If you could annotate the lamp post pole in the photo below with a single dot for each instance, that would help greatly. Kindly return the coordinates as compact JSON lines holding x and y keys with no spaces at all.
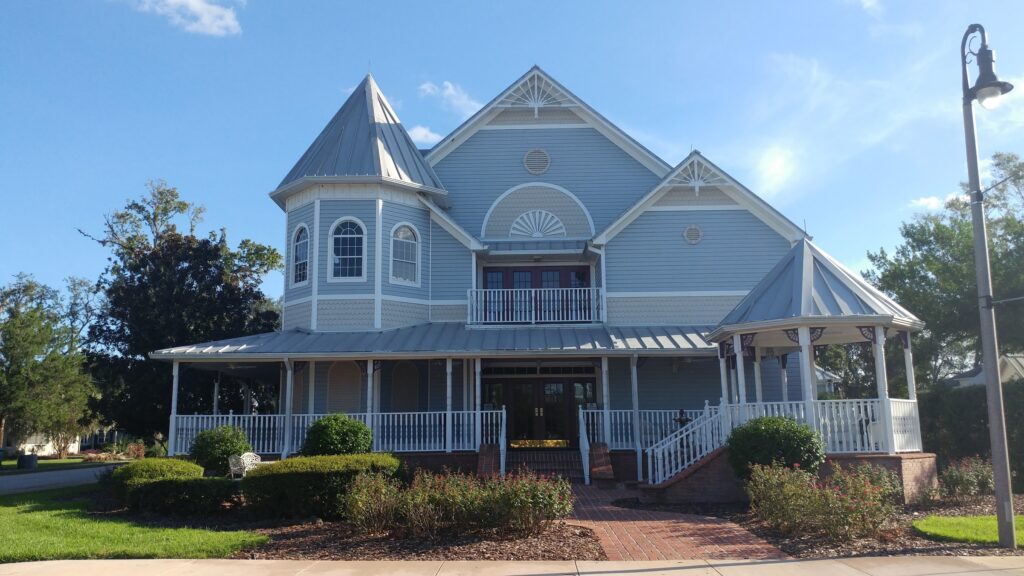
{"x":989,"y":345}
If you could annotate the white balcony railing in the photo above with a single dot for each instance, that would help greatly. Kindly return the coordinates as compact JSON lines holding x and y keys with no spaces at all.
{"x":534,"y":306}
{"x":654,"y":425}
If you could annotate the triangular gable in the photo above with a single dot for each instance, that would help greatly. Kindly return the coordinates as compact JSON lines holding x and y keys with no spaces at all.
{"x":694,"y":172}
{"x":363,"y":142}
{"x":536,"y":89}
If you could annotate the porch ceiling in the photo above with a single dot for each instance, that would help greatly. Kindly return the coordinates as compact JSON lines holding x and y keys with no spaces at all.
{"x":453,"y":339}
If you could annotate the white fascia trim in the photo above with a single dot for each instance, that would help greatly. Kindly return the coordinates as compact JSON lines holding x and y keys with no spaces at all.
{"x":330,"y":250}
{"x":297,"y":301}
{"x":545,"y":239}
{"x":527,"y":252}
{"x":406,"y":300}
{"x":487,"y":217}
{"x":448,"y":302}
{"x":711,"y":208}
{"x":366,"y":296}
{"x":445,"y":221}
{"x":740,"y":194}
{"x":534,"y":126}
{"x":678,"y":293}
{"x":281,"y":194}
{"x":594,"y":120}
{"x":419,"y":256}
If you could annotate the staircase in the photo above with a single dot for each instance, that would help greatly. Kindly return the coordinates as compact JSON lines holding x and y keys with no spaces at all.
{"x":564,"y":463}
{"x":686,"y":447}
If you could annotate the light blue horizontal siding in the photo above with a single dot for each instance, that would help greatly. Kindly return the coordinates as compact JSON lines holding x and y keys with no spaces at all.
{"x":420,"y":218}
{"x":302,"y":215}
{"x":606,"y":179}
{"x":650,"y":254}
{"x":771,"y":379}
{"x":330,"y":212}
{"x":665,"y":383}
{"x":451,"y":266}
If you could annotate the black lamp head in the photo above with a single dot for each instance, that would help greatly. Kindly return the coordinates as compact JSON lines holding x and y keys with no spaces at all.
{"x":988,"y":88}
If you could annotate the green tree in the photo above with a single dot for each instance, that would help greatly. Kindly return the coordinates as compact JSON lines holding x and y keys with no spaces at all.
{"x":43,"y":388}
{"x":165,"y":288}
{"x":931,"y":273}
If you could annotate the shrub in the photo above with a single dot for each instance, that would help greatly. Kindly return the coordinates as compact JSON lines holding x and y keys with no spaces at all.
{"x":182,"y":496}
{"x":373,"y":503}
{"x":967,"y":478}
{"x":773,"y":439}
{"x":156,"y":450}
{"x":310,"y":486}
{"x":135,"y":450}
{"x":528,"y":503}
{"x":211,"y":448}
{"x":337,"y":434}
{"x":849,"y":504}
{"x":151,"y":469}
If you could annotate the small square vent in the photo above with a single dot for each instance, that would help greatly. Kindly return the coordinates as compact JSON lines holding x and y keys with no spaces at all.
{"x":536,"y":161}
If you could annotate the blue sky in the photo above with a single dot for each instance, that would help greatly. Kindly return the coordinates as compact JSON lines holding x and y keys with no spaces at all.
{"x":844,"y":114}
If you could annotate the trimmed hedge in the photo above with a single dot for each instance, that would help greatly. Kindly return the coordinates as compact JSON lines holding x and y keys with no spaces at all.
{"x":182,"y":496}
{"x":310,"y":486}
{"x":337,"y":434}
{"x":211,"y":448}
{"x":775,"y":439}
{"x":151,"y":469}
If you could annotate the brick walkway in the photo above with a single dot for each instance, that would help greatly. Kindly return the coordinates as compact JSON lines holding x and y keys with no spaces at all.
{"x":628,"y":534}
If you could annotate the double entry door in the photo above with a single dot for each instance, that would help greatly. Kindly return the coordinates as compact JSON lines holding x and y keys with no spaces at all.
{"x":542,"y":411}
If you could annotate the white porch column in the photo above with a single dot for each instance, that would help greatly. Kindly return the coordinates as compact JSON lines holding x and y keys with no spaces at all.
{"x":784,"y":376}
{"x":723,"y":369}
{"x":758,"y":392}
{"x":741,"y":370}
{"x":311,"y":387}
{"x":369,"y":402}
{"x":908,"y":359}
{"x":807,"y":373}
{"x":289,"y":385}
{"x":882,"y":379}
{"x":636,"y":417}
{"x":172,"y":430}
{"x":448,"y":405}
{"x":478,"y":398}
{"x":216,"y":393}
{"x":734,"y":399}
{"x":606,"y":403}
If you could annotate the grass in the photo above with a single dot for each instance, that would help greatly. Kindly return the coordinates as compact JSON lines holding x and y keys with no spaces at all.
{"x":973,"y":529}
{"x":10,"y":465}
{"x":57,"y":524}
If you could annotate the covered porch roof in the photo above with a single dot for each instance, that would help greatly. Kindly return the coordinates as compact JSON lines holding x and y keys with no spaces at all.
{"x":809,"y":288}
{"x":441,"y":339}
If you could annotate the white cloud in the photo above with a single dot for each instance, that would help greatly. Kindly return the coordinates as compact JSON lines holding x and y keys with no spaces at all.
{"x":927,"y":203}
{"x":423,"y":135}
{"x":872,"y":7}
{"x":452,"y":96}
{"x":207,"y":17}
{"x":775,"y":168}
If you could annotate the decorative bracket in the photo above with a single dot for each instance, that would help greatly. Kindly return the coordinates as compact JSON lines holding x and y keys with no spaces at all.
{"x":868,"y":332}
{"x":793,"y":334}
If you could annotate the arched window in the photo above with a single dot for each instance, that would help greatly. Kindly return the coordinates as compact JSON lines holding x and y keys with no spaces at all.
{"x":405,"y":255}
{"x":347,"y":243}
{"x":300,"y":256}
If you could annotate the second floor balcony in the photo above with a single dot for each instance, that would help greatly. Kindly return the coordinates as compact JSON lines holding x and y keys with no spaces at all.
{"x":534,"y":306}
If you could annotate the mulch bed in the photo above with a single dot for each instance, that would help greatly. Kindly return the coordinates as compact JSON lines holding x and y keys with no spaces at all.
{"x":902,"y":540}
{"x":337,"y":541}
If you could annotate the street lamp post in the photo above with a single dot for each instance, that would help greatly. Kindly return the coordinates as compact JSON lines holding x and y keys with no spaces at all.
{"x":987,"y":90}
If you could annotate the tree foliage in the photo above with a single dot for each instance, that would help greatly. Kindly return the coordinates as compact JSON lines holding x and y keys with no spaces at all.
{"x":932,"y":273}
{"x":164,"y":288}
{"x":43,"y":388}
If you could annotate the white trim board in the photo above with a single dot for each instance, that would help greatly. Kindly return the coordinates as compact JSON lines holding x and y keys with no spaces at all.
{"x":677,"y":294}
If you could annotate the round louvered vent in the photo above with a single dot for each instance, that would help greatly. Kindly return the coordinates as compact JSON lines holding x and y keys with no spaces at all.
{"x":693,"y":234}
{"x":536,"y":161}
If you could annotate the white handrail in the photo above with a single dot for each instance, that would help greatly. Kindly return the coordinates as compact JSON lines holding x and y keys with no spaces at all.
{"x":654,"y":425}
{"x":584,"y":447}
{"x":502,"y":440}
{"x":686,"y":446}
{"x":533,"y":305}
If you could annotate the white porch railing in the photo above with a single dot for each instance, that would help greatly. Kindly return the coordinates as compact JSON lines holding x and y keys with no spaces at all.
{"x":654,"y":426}
{"x":851,"y":425}
{"x":534,"y":306}
{"x":686,"y":446}
{"x":392,"y":431}
{"x":584,"y":447}
{"x":906,"y":424}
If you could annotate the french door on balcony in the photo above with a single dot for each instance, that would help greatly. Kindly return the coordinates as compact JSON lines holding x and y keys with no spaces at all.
{"x":539,"y":294}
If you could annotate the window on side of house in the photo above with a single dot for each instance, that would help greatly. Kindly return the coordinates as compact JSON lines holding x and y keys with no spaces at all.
{"x":300,"y":256}
{"x":405,"y":255}
{"x":348,"y":249}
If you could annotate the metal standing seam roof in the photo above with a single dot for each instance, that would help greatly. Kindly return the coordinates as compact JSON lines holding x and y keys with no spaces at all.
{"x":365,"y":138}
{"x":806,"y":283}
{"x":451,"y":338}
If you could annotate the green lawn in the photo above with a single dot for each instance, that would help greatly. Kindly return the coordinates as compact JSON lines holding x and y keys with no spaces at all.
{"x":975,"y":529}
{"x":55,"y":524}
{"x":10,"y":465}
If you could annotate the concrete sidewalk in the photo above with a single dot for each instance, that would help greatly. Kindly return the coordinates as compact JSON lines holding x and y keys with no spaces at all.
{"x":898,"y":566}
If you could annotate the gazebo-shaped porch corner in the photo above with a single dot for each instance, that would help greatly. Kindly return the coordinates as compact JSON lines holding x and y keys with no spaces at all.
{"x":808,"y":301}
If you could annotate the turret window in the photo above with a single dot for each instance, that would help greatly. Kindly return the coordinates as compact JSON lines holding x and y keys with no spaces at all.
{"x":348,"y":245}
{"x":405,"y":255}
{"x":300,"y":256}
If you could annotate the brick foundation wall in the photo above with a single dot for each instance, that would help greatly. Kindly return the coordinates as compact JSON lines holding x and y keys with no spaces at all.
{"x":917,"y":471}
{"x":710,"y":480}
{"x":623,"y":465}
{"x":465,"y":462}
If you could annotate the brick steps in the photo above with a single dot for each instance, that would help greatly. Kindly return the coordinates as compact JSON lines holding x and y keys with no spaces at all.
{"x":564,"y":463}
